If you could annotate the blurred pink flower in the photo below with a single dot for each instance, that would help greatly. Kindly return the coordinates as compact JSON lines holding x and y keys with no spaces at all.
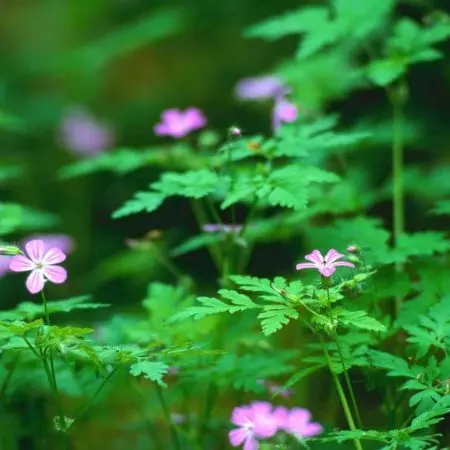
{"x":283,"y":112}
{"x":41,"y":263}
{"x":84,"y":135}
{"x":254,"y":421}
{"x":260,"y":88}
{"x":325,"y":265}
{"x":177,"y":123}
{"x":217,"y":227}
{"x":297,"y":422}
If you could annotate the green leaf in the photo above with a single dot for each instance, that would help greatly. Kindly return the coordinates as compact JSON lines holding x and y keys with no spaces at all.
{"x":192,"y":184}
{"x":384,"y":72}
{"x":197,"y":242}
{"x":303,"y":373}
{"x":15,"y":217}
{"x":211,"y":305}
{"x":122,"y":41}
{"x":151,"y":370}
{"x":29,"y":311}
{"x":396,"y":367}
{"x":120,"y":161}
{"x":141,"y":202}
{"x":359,"y":319}
{"x":275,"y":316}
{"x":442,"y":208}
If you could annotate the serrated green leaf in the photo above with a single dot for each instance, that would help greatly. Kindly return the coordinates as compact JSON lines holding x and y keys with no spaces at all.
{"x":274,"y":317}
{"x":151,"y":370}
{"x":141,"y":202}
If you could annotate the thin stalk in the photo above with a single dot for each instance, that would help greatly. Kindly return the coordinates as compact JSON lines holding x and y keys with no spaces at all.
{"x":211,"y":397}
{"x":344,"y":368}
{"x":397,"y":99}
{"x":9,"y":376}
{"x":166,"y":413}
{"x":341,"y":394}
{"x":201,"y":219}
{"x":91,"y":401}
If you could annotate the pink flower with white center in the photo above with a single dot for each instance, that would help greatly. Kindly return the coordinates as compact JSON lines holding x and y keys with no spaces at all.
{"x":254,"y":421}
{"x":327,"y":264}
{"x":177,"y":123}
{"x":42,"y":265}
{"x":297,"y":422}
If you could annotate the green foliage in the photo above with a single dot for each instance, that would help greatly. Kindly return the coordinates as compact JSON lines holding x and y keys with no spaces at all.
{"x":151,"y":370}
{"x":320,"y":28}
{"x":15,"y":217}
{"x":29,"y":311}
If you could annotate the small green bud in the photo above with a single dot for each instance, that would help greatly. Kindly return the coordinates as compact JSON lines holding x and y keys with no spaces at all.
{"x":10,"y":250}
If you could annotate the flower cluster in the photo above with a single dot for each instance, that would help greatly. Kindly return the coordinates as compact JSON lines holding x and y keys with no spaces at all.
{"x":260,"y":420}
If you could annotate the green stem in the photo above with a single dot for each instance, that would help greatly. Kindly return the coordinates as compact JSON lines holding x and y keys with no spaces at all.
{"x":341,"y":394}
{"x":91,"y":401}
{"x":201,"y":219}
{"x":166,"y":413}
{"x":211,"y":397}
{"x":344,"y":368}
{"x":9,"y":376}
{"x":397,"y":99}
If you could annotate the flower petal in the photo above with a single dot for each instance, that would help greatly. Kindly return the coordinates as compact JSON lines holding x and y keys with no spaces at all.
{"x":194,"y":118}
{"x":327,"y":271}
{"x":53,"y":256}
{"x":250,"y":444}
{"x":21,"y":263}
{"x":35,"y":250}
{"x":315,"y":256}
{"x":332,"y":255}
{"x":35,"y":281}
{"x":301,"y":266}
{"x":238,"y":436}
{"x":56,"y":274}
{"x":343,"y":263}
{"x":312,"y":429}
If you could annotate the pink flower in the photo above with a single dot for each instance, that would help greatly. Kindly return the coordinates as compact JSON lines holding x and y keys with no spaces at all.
{"x":41,"y":264}
{"x":177,"y":123}
{"x":259,"y":88}
{"x":254,"y":421}
{"x":325,"y":265}
{"x":296,"y":422}
{"x":63,"y":241}
{"x":283,"y":112}
{"x":83,"y":134}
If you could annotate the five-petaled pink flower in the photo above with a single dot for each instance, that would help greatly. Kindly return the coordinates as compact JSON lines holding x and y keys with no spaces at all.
{"x":327,"y":264}
{"x":177,"y":123}
{"x":254,"y":421}
{"x":41,"y":264}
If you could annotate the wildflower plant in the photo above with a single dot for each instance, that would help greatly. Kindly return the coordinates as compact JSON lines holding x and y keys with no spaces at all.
{"x":344,"y":346}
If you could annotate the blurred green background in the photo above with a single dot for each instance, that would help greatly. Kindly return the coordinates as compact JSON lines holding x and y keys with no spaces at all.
{"x":125,"y":61}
